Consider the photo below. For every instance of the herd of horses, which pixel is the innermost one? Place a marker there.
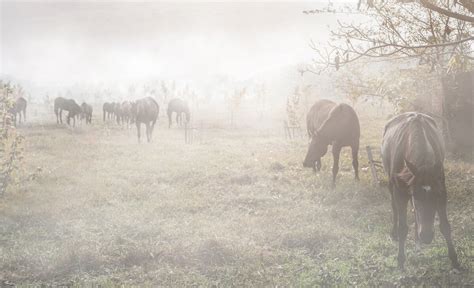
(412, 154)
(143, 110)
(146, 111)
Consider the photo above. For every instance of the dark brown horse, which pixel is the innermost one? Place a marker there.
(145, 111)
(180, 107)
(413, 155)
(108, 110)
(69, 105)
(318, 113)
(339, 129)
(18, 108)
(86, 112)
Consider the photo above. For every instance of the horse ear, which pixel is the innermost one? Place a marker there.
(411, 167)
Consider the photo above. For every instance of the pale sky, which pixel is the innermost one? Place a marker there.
(69, 42)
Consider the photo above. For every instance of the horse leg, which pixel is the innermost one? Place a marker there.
(24, 115)
(394, 233)
(148, 132)
(446, 231)
(152, 128)
(355, 160)
(336, 151)
(61, 116)
(402, 202)
(177, 118)
(138, 130)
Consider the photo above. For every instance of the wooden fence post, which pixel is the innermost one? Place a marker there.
(372, 165)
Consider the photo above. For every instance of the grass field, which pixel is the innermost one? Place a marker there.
(235, 208)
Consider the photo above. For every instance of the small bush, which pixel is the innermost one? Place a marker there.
(10, 140)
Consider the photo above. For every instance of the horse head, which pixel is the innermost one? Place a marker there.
(318, 147)
(424, 185)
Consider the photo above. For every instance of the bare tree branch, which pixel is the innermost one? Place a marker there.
(431, 6)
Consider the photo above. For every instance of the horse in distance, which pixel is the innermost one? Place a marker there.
(69, 105)
(19, 108)
(340, 129)
(117, 108)
(413, 155)
(126, 113)
(107, 110)
(179, 107)
(86, 112)
(145, 111)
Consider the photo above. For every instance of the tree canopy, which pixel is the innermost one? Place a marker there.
(440, 33)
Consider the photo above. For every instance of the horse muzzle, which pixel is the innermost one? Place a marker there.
(426, 236)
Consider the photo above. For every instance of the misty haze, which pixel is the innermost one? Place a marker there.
(237, 144)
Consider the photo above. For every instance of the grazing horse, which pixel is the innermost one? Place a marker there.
(179, 106)
(340, 128)
(145, 111)
(69, 105)
(18, 108)
(86, 112)
(108, 110)
(413, 155)
(315, 118)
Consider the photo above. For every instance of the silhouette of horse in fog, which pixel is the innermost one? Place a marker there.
(145, 111)
(413, 155)
(69, 105)
(180, 107)
(126, 113)
(339, 128)
(108, 110)
(117, 108)
(18, 108)
(86, 112)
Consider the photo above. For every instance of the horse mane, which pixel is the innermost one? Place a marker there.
(322, 130)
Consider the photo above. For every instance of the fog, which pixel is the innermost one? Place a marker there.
(195, 144)
(57, 44)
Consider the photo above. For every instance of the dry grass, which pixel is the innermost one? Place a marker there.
(235, 209)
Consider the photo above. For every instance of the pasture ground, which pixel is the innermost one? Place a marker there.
(236, 208)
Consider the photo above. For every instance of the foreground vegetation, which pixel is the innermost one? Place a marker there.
(235, 208)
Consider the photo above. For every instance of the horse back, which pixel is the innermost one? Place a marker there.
(412, 137)
(341, 126)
